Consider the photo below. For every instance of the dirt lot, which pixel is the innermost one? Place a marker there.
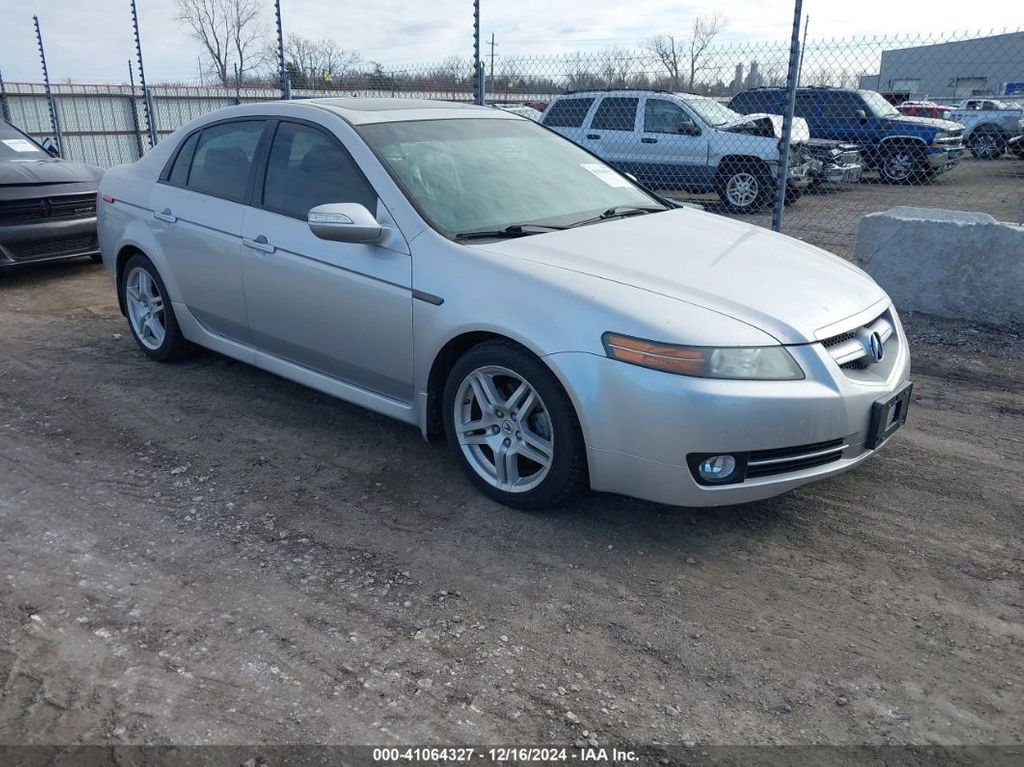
(204, 553)
(828, 216)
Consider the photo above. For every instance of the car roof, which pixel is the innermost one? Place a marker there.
(360, 111)
(627, 91)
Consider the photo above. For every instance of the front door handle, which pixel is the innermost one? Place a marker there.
(260, 243)
(165, 215)
(593, 135)
(646, 140)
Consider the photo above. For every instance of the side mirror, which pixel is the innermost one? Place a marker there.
(50, 148)
(345, 222)
(861, 115)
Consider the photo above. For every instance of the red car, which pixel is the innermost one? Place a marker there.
(926, 109)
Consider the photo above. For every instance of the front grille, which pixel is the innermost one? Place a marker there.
(850, 349)
(37, 249)
(47, 208)
(767, 463)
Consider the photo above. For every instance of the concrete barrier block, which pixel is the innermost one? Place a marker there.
(944, 262)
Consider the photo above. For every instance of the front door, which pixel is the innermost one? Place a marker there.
(341, 309)
(675, 147)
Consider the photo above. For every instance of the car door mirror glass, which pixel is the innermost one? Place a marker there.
(345, 222)
(861, 115)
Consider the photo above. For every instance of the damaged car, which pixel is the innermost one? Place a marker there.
(682, 141)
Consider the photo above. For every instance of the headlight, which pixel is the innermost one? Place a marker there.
(757, 363)
(942, 135)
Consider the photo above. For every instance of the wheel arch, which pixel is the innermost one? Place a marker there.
(125, 253)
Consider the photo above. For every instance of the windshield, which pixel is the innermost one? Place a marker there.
(15, 146)
(878, 106)
(469, 175)
(710, 111)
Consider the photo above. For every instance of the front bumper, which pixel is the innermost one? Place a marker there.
(942, 159)
(841, 174)
(640, 425)
(47, 241)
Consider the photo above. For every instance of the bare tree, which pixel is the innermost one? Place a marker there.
(318, 62)
(666, 49)
(230, 32)
(704, 32)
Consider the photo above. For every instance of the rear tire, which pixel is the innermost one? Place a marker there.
(513, 428)
(150, 314)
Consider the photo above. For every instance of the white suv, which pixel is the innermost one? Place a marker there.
(681, 141)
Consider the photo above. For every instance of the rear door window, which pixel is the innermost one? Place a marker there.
(616, 113)
(568, 113)
(841, 105)
(223, 159)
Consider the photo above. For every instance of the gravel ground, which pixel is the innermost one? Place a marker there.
(204, 553)
(828, 216)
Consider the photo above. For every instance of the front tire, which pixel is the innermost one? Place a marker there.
(148, 309)
(513, 428)
(745, 187)
(987, 145)
(902, 165)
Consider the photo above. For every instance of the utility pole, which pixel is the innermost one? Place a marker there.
(147, 100)
(54, 119)
(803, 50)
(478, 65)
(493, 44)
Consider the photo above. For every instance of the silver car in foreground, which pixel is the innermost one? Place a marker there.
(472, 273)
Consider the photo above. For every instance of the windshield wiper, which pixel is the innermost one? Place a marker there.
(513, 230)
(619, 211)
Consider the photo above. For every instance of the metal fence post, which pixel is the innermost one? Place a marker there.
(147, 101)
(133, 112)
(54, 118)
(787, 120)
(478, 65)
(5, 108)
(286, 91)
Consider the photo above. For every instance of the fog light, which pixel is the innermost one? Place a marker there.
(716, 468)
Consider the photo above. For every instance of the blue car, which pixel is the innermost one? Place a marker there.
(902, 148)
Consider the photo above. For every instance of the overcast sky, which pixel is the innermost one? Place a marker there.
(91, 41)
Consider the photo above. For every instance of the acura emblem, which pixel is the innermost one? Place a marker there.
(875, 348)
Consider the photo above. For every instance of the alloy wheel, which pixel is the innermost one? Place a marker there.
(503, 429)
(899, 166)
(742, 189)
(145, 308)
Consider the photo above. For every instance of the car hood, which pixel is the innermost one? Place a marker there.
(35, 172)
(929, 122)
(771, 125)
(777, 284)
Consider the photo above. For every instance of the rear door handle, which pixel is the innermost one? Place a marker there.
(646, 140)
(165, 215)
(593, 135)
(260, 243)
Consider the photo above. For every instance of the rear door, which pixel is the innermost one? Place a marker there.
(198, 208)
(611, 132)
(341, 309)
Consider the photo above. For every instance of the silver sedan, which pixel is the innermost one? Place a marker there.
(470, 272)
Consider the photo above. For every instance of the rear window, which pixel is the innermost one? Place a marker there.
(749, 102)
(616, 113)
(567, 113)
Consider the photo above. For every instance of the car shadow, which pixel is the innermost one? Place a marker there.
(29, 275)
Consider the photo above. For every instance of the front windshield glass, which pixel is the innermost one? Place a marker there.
(469, 175)
(878, 105)
(15, 146)
(710, 111)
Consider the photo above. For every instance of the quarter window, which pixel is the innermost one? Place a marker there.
(616, 113)
(179, 171)
(223, 159)
(307, 167)
(567, 113)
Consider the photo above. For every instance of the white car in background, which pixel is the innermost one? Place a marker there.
(561, 333)
(682, 141)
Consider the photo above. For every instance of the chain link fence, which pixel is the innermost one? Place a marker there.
(880, 122)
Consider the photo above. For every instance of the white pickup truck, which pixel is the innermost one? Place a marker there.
(989, 125)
